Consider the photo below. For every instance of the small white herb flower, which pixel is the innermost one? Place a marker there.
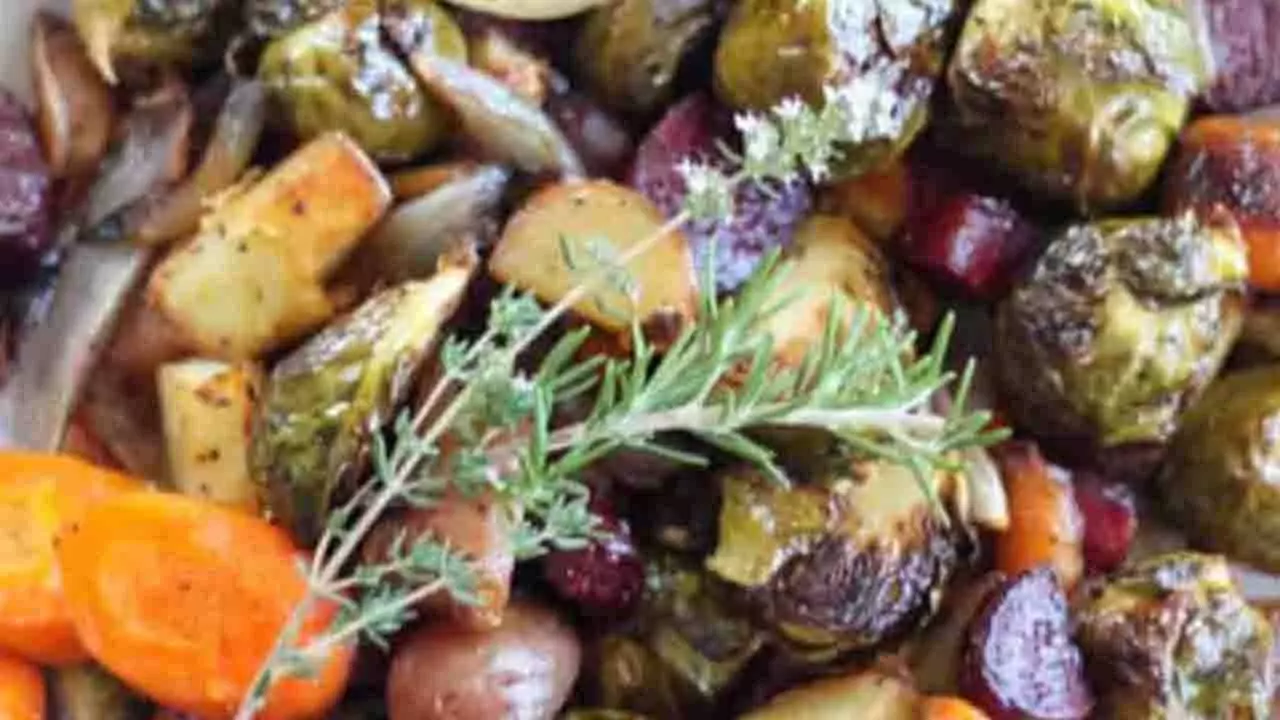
(763, 153)
(708, 191)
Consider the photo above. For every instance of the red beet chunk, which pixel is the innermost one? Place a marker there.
(1110, 523)
(606, 577)
(1246, 56)
(764, 217)
(25, 191)
(1020, 660)
(970, 243)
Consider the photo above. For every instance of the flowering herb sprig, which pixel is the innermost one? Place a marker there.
(863, 382)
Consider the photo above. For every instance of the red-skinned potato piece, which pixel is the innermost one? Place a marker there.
(1110, 523)
(1233, 162)
(1020, 660)
(476, 527)
(764, 218)
(523, 669)
(1045, 527)
(1246, 58)
(970, 243)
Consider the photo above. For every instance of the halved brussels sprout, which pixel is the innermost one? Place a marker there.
(153, 32)
(1219, 480)
(1172, 638)
(1080, 100)
(854, 555)
(323, 402)
(890, 54)
(1119, 328)
(338, 73)
(630, 51)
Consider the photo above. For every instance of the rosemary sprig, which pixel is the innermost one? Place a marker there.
(717, 381)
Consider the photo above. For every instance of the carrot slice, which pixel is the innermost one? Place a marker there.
(1045, 527)
(949, 708)
(22, 693)
(38, 495)
(183, 600)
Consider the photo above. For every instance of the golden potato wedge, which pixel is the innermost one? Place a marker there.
(870, 694)
(829, 258)
(568, 232)
(207, 407)
(253, 277)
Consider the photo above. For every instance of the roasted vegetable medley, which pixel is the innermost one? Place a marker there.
(641, 360)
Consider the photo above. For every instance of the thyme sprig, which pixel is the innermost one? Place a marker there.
(717, 381)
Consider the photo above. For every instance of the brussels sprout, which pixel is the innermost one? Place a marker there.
(337, 73)
(629, 675)
(1080, 100)
(887, 55)
(162, 32)
(324, 401)
(691, 627)
(629, 52)
(1119, 327)
(1219, 478)
(273, 18)
(1172, 638)
(851, 557)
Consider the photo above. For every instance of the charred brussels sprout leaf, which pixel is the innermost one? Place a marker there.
(687, 646)
(844, 561)
(150, 32)
(1080, 99)
(1119, 327)
(324, 401)
(892, 51)
(1171, 638)
(629, 52)
(1219, 479)
(338, 73)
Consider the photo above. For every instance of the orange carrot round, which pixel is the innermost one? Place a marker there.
(22, 693)
(1044, 524)
(39, 494)
(184, 599)
(949, 708)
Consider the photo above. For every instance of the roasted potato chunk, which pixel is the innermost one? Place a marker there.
(872, 695)
(207, 408)
(568, 232)
(253, 278)
(831, 267)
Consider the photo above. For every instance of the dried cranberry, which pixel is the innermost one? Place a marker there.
(764, 217)
(25, 190)
(970, 243)
(1020, 660)
(604, 578)
(1110, 523)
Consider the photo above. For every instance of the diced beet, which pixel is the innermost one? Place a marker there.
(970, 243)
(1246, 57)
(606, 577)
(1110, 523)
(25, 193)
(1020, 660)
(764, 217)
